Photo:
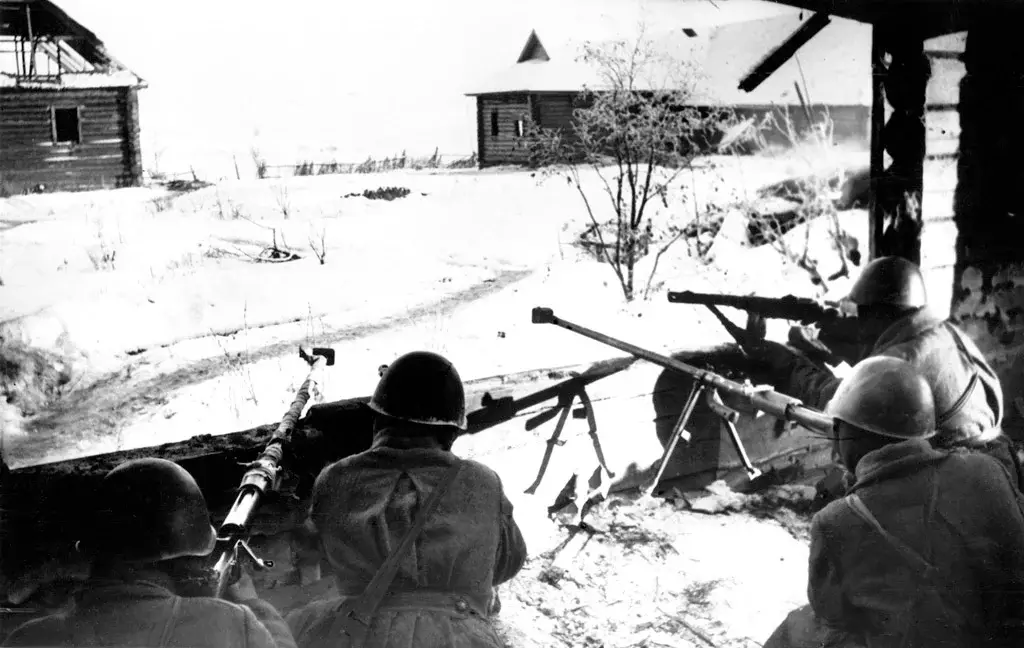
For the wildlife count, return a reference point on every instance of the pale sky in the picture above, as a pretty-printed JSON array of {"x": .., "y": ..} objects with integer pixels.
[{"x": 323, "y": 79}]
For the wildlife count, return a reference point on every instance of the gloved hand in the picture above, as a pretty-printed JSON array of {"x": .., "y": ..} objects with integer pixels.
[
  {"x": 772, "y": 357},
  {"x": 833, "y": 486},
  {"x": 242, "y": 590}
]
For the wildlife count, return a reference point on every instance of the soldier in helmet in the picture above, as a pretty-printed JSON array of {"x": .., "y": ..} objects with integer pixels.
[
  {"x": 149, "y": 545},
  {"x": 894, "y": 321},
  {"x": 435, "y": 590},
  {"x": 924, "y": 550}
]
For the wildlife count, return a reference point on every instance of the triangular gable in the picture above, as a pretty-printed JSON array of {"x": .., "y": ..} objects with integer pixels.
[{"x": 533, "y": 50}]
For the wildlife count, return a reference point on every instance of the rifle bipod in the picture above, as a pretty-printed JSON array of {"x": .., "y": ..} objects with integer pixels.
[
  {"x": 562, "y": 410},
  {"x": 679, "y": 431},
  {"x": 728, "y": 416}
]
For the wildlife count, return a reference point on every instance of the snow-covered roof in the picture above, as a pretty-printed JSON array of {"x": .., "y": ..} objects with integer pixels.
[
  {"x": 119, "y": 79},
  {"x": 833, "y": 67}
]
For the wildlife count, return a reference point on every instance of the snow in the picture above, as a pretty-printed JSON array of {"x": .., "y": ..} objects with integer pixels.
[{"x": 183, "y": 334}]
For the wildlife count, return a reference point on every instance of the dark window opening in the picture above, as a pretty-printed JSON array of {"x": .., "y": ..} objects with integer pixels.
[
  {"x": 494, "y": 123},
  {"x": 66, "y": 126},
  {"x": 520, "y": 126},
  {"x": 689, "y": 32}
]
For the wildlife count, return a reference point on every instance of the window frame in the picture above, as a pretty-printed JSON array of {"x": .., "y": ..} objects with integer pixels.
[{"x": 53, "y": 125}]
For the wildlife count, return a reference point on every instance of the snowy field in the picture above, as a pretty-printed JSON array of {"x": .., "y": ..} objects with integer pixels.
[{"x": 170, "y": 327}]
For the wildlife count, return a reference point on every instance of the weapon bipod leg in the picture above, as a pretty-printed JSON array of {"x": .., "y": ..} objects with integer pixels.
[
  {"x": 729, "y": 417},
  {"x": 679, "y": 431}
]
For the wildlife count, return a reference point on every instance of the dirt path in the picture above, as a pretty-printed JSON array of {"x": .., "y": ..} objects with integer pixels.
[{"x": 112, "y": 402}]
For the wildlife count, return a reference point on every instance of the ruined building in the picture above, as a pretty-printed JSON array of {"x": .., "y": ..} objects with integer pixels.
[{"x": 69, "y": 111}]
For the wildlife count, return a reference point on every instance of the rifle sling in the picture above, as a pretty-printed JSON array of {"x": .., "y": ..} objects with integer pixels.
[
  {"x": 354, "y": 615},
  {"x": 944, "y": 418}
]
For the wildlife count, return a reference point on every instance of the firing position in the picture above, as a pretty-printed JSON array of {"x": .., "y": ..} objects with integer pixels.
[
  {"x": 894, "y": 321},
  {"x": 925, "y": 548},
  {"x": 417, "y": 537},
  {"x": 151, "y": 575}
]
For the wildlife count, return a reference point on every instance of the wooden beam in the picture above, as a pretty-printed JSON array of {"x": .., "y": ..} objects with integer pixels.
[
  {"x": 785, "y": 51},
  {"x": 876, "y": 218},
  {"x": 28, "y": 24}
]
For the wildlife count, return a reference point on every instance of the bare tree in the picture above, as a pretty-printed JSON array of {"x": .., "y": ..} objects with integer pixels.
[
  {"x": 811, "y": 193},
  {"x": 637, "y": 132}
]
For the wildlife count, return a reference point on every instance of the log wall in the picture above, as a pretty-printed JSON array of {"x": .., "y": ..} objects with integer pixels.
[
  {"x": 107, "y": 156},
  {"x": 988, "y": 282},
  {"x": 499, "y": 140},
  {"x": 851, "y": 124}
]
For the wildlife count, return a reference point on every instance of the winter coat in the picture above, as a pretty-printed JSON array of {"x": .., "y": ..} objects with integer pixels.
[
  {"x": 363, "y": 505},
  {"x": 962, "y": 581},
  {"x": 930, "y": 344},
  {"x": 145, "y": 613}
]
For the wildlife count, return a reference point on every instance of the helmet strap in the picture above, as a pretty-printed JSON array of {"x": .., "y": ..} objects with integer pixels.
[{"x": 855, "y": 442}]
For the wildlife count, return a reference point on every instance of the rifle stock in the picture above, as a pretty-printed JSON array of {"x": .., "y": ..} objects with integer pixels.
[
  {"x": 263, "y": 476},
  {"x": 766, "y": 400}
]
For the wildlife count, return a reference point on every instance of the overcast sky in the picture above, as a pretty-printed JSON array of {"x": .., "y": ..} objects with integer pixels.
[{"x": 323, "y": 78}]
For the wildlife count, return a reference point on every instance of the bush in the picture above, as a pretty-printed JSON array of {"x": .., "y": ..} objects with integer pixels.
[{"x": 382, "y": 193}]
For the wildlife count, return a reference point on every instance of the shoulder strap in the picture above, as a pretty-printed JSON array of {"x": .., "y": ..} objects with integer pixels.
[
  {"x": 354, "y": 615},
  {"x": 994, "y": 400},
  {"x": 160, "y": 636},
  {"x": 913, "y": 557}
]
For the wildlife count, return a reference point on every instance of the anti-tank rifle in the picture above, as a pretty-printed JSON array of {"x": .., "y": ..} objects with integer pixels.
[
  {"x": 762, "y": 398},
  {"x": 837, "y": 340},
  {"x": 262, "y": 476},
  {"x": 801, "y": 309}
]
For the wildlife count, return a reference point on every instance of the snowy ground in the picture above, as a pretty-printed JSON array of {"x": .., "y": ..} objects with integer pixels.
[
  {"x": 722, "y": 570},
  {"x": 170, "y": 329}
]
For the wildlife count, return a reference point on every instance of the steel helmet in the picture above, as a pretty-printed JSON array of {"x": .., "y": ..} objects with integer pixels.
[
  {"x": 421, "y": 387},
  {"x": 892, "y": 281},
  {"x": 150, "y": 510},
  {"x": 886, "y": 396}
]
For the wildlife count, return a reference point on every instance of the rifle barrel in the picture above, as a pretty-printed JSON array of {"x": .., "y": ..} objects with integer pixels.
[
  {"x": 778, "y": 405},
  {"x": 262, "y": 475}
]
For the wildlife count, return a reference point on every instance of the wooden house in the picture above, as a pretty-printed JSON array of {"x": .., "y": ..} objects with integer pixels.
[
  {"x": 69, "y": 111},
  {"x": 831, "y": 75}
]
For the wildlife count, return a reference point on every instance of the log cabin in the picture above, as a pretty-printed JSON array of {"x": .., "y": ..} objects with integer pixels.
[
  {"x": 69, "y": 111},
  {"x": 830, "y": 78}
]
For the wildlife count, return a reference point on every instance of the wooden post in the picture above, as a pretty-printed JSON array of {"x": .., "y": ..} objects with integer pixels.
[
  {"x": 32, "y": 54},
  {"x": 989, "y": 204},
  {"x": 133, "y": 159},
  {"x": 480, "y": 152},
  {"x": 897, "y": 191},
  {"x": 877, "y": 218}
]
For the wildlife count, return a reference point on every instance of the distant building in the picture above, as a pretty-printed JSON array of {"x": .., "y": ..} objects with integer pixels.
[
  {"x": 831, "y": 73},
  {"x": 69, "y": 111}
]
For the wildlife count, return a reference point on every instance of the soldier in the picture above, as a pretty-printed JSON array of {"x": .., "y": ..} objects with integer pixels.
[
  {"x": 149, "y": 545},
  {"x": 925, "y": 548},
  {"x": 894, "y": 321},
  {"x": 369, "y": 509}
]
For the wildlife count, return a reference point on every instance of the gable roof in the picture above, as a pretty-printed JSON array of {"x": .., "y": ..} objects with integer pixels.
[
  {"x": 84, "y": 61},
  {"x": 834, "y": 66}
]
